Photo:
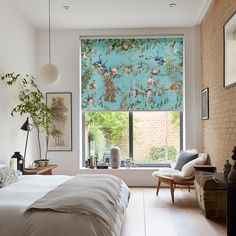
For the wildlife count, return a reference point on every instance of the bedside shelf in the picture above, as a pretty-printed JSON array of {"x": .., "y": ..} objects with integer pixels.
[{"x": 47, "y": 170}]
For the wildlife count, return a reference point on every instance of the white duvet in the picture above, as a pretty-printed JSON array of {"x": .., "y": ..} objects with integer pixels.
[{"x": 15, "y": 198}]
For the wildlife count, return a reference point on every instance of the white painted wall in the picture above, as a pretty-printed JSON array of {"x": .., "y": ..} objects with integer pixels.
[
  {"x": 17, "y": 53},
  {"x": 65, "y": 54}
]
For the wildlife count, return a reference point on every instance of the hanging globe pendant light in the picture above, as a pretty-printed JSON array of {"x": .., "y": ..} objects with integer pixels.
[{"x": 49, "y": 73}]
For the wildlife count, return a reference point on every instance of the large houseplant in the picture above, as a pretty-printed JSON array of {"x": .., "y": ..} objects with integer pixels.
[{"x": 31, "y": 102}]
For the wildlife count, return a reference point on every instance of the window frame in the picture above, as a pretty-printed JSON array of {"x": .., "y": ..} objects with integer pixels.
[{"x": 131, "y": 144}]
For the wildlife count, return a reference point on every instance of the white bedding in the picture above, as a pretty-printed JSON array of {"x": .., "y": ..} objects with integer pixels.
[{"x": 15, "y": 198}]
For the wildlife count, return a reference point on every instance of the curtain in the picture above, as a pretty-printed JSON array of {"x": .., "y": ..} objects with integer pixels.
[{"x": 132, "y": 74}]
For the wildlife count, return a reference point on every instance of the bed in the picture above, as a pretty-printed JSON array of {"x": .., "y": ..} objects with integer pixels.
[{"x": 23, "y": 211}]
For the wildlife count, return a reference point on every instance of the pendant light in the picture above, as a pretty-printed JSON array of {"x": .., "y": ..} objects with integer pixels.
[{"x": 49, "y": 73}]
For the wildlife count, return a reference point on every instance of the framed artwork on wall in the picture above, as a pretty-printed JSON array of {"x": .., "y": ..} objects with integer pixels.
[
  {"x": 61, "y": 129},
  {"x": 205, "y": 104},
  {"x": 230, "y": 51}
]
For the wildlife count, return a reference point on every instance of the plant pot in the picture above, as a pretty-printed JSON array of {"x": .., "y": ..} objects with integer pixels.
[
  {"x": 46, "y": 162},
  {"x": 41, "y": 163}
]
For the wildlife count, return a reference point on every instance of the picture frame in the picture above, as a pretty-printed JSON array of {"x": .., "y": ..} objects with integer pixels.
[
  {"x": 61, "y": 129},
  {"x": 205, "y": 104},
  {"x": 230, "y": 52}
]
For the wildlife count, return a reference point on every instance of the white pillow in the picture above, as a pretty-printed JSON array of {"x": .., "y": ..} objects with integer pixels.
[
  {"x": 188, "y": 169},
  {"x": 192, "y": 151},
  {"x": 2, "y": 165},
  {"x": 7, "y": 176},
  {"x": 18, "y": 172}
]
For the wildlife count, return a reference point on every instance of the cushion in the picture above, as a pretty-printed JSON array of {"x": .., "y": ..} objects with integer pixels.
[
  {"x": 165, "y": 172},
  {"x": 188, "y": 169},
  {"x": 2, "y": 165},
  {"x": 7, "y": 176},
  {"x": 185, "y": 157}
]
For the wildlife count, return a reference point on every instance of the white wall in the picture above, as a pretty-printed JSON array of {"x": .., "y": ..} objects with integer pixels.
[
  {"x": 17, "y": 53},
  {"x": 65, "y": 54}
]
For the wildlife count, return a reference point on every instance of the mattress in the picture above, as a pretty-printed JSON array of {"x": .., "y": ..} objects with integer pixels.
[{"x": 17, "y": 197}]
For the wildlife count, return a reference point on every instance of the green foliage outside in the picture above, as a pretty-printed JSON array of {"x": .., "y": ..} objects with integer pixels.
[
  {"x": 158, "y": 154},
  {"x": 107, "y": 129},
  {"x": 111, "y": 128},
  {"x": 175, "y": 119},
  {"x": 98, "y": 137}
]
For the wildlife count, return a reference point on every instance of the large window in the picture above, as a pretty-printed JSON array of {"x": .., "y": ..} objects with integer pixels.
[
  {"x": 147, "y": 137},
  {"x": 143, "y": 78}
]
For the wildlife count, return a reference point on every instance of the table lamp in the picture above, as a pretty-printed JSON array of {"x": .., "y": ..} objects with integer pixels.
[{"x": 28, "y": 127}]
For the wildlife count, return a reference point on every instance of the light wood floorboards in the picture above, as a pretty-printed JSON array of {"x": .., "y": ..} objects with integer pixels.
[{"x": 151, "y": 215}]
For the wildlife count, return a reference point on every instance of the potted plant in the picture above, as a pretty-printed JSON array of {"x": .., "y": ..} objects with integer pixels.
[{"x": 31, "y": 102}]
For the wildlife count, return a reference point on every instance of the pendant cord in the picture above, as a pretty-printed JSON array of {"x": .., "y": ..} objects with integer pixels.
[{"x": 49, "y": 31}]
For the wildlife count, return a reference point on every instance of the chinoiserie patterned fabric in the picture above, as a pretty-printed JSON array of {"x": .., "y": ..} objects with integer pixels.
[
  {"x": 7, "y": 176},
  {"x": 132, "y": 74}
]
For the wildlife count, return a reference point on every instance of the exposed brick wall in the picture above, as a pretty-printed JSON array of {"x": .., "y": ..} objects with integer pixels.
[
  {"x": 219, "y": 132},
  {"x": 153, "y": 129}
]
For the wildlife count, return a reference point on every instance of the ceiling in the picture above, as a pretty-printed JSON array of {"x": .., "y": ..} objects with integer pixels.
[{"x": 92, "y": 14}]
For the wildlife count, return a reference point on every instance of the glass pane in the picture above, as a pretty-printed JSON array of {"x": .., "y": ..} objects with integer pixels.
[
  {"x": 156, "y": 136},
  {"x": 104, "y": 130}
]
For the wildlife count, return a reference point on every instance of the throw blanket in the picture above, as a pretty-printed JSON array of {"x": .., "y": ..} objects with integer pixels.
[{"x": 95, "y": 195}]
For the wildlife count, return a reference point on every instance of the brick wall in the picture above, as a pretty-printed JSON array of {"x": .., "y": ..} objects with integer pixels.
[
  {"x": 219, "y": 132},
  {"x": 153, "y": 129}
]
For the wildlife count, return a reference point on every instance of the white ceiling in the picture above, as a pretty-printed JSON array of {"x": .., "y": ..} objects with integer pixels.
[{"x": 92, "y": 14}]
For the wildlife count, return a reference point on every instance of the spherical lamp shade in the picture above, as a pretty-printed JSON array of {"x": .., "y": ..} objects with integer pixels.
[{"x": 49, "y": 74}]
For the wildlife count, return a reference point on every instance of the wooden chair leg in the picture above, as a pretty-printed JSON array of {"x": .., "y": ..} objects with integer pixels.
[
  {"x": 172, "y": 192},
  {"x": 189, "y": 188},
  {"x": 174, "y": 187},
  {"x": 158, "y": 186}
]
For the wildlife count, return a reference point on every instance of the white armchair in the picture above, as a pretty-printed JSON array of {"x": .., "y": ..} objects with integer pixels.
[{"x": 174, "y": 177}]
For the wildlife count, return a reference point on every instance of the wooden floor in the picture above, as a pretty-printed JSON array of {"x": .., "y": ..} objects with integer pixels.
[{"x": 149, "y": 215}]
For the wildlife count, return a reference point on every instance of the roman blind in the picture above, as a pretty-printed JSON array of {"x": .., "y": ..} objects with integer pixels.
[{"x": 132, "y": 74}]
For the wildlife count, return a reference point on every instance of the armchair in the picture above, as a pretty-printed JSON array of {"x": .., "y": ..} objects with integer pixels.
[{"x": 174, "y": 177}]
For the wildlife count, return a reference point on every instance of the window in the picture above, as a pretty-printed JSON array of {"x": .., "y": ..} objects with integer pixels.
[
  {"x": 149, "y": 138},
  {"x": 143, "y": 78}
]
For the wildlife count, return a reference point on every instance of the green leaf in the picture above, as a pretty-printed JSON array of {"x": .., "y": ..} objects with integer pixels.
[{"x": 31, "y": 100}]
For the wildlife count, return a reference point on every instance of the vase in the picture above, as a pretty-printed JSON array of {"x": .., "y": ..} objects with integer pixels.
[
  {"x": 17, "y": 161},
  {"x": 227, "y": 169},
  {"x": 128, "y": 162},
  {"x": 115, "y": 157},
  {"x": 45, "y": 162}
]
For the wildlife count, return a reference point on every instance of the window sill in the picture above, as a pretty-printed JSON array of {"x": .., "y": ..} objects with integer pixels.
[{"x": 121, "y": 169}]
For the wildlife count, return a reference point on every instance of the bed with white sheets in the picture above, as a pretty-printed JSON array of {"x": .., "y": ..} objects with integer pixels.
[{"x": 23, "y": 212}]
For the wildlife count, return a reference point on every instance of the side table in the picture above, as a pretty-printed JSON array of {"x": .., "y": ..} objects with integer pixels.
[
  {"x": 46, "y": 170},
  {"x": 208, "y": 168}
]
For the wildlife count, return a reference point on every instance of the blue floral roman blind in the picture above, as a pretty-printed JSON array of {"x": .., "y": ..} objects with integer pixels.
[{"x": 132, "y": 74}]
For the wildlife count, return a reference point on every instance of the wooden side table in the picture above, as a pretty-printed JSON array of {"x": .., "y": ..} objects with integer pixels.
[
  {"x": 207, "y": 168},
  {"x": 47, "y": 170}
]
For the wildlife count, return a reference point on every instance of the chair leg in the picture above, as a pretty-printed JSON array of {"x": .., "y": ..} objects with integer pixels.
[
  {"x": 174, "y": 187},
  {"x": 189, "y": 188},
  {"x": 172, "y": 192},
  {"x": 158, "y": 186}
]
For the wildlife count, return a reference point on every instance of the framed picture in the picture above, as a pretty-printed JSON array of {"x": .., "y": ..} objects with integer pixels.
[
  {"x": 230, "y": 51},
  {"x": 61, "y": 136},
  {"x": 205, "y": 104}
]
